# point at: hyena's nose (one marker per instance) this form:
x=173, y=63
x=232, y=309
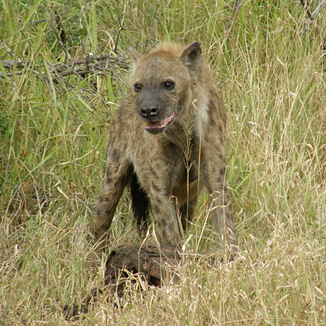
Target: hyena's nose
x=149, y=111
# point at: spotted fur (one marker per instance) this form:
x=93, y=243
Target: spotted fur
x=168, y=142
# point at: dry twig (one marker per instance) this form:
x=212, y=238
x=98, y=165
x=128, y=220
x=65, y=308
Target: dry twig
x=312, y=15
x=90, y=64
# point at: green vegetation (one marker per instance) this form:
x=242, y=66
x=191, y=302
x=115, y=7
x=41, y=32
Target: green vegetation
x=268, y=58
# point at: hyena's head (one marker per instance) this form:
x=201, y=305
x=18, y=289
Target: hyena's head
x=162, y=82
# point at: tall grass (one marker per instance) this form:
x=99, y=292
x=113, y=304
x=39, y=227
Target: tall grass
x=269, y=63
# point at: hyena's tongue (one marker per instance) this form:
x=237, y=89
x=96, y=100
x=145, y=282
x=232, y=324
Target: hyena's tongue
x=159, y=124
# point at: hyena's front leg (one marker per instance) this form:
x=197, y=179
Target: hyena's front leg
x=158, y=184
x=166, y=218
x=118, y=174
x=163, y=206
x=188, y=203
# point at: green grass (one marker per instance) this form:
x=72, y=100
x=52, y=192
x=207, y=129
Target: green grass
x=270, y=68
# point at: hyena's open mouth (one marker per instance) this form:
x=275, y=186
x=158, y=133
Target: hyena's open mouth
x=158, y=126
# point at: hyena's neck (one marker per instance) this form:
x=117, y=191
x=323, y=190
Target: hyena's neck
x=193, y=120
x=187, y=130
x=200, y=112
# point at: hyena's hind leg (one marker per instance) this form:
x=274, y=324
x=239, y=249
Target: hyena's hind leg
x=221, y=210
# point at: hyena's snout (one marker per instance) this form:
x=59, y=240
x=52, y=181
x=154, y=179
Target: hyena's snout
x=155, y=116
x=149, y=111
x=149, y=106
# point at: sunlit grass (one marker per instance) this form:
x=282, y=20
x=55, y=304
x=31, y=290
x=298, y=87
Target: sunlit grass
x=270, y=68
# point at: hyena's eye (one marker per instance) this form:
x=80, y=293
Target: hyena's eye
x=138, y=88
x=168, y=85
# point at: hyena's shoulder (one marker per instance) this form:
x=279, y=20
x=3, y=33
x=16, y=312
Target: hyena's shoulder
x=125, y=128
x=124, y=116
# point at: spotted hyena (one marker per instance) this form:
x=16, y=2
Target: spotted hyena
x=167, y=141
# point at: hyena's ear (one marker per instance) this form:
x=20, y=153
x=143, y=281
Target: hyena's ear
x=134, y=55
x=192, y=58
